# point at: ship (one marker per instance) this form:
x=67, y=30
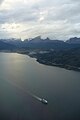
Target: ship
x=44, y=101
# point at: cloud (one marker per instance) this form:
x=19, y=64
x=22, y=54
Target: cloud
x=29, y=18
x=1, y=1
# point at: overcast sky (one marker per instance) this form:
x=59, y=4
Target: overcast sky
x=57, y=19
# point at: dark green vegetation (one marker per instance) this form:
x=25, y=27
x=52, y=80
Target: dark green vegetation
x=69, y=59
x=49, y=52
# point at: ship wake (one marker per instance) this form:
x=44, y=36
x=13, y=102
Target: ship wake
x=24, y=91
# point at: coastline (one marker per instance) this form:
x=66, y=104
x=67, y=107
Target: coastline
x=68, y=67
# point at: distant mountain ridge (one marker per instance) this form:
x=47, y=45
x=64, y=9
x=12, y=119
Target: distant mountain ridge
x=39, y=43
x=6, y=46
x=74, y=40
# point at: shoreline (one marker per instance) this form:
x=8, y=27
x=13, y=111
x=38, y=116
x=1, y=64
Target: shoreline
x=67, y=67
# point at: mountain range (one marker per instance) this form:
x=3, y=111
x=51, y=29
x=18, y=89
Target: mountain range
x=39, y=43
x=6, y=46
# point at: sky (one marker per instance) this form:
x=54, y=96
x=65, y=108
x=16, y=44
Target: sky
x=56, y=19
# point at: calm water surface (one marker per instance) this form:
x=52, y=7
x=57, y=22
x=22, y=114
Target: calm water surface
x=20, y=74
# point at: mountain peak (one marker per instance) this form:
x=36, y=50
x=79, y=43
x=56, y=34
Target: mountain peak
x=74, y=40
